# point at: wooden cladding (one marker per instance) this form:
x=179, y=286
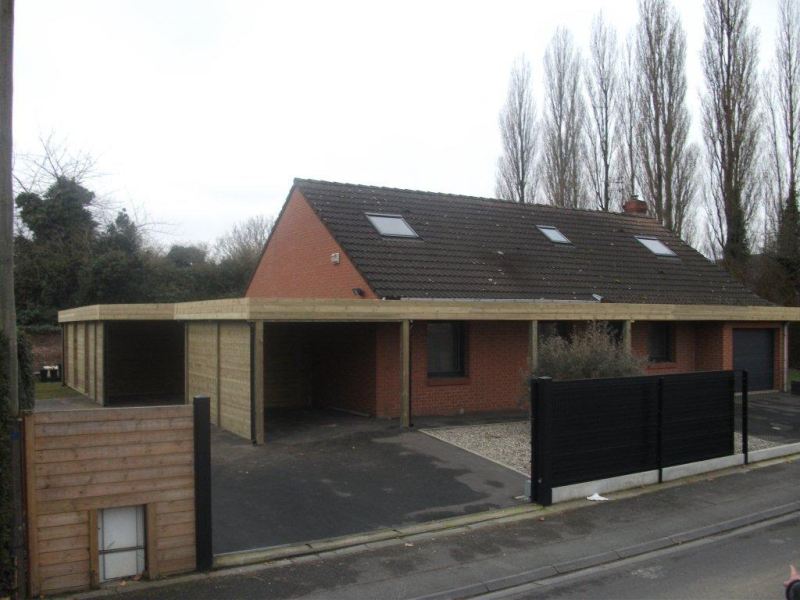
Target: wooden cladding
x=82, y=461
x=218, y=365
x=84, y=358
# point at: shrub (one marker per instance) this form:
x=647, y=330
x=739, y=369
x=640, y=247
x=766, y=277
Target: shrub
x=588, y=353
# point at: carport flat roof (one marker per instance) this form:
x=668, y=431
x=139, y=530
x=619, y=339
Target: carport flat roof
x=269, y=309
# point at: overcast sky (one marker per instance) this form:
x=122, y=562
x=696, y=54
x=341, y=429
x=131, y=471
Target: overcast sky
x=201, y=113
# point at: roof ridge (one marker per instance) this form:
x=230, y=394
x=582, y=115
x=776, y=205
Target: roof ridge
x=501, y=201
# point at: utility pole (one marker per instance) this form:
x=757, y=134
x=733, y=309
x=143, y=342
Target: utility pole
x=8, y=316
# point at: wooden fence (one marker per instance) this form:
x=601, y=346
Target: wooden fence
x=79, y=462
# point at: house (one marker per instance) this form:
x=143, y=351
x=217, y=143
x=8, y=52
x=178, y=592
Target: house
x=393, y=303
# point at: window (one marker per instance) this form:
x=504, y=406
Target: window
x=553, y=234
x=391, y=225
x=446, y=350
x=661, y=342
x=120, y=542
x=655, y=246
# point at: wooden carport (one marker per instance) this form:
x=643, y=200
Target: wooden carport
x=224, y=339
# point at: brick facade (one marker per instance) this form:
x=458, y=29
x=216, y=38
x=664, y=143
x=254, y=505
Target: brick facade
x=496, y=354
x=704, y=347
x=297, y=260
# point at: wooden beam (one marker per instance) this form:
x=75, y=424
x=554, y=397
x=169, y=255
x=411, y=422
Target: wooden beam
x=533, y=347
x=258, y=381
x=305, y=310
x=405, y=373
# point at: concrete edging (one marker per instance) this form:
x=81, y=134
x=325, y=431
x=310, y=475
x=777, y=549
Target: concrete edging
x=603, y=486
x=773, y=452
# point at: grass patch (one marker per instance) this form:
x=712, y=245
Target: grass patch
x=54, y=389
x=794, y=374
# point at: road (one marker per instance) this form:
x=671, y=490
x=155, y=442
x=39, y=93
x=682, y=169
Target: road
x=748, y=563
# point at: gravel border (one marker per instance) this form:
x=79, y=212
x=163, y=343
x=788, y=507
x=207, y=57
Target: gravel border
x=508, y=443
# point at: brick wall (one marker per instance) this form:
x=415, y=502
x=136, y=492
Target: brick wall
x=46, y=348
x=704, y=347
x=344, y=366
x=497, y=354
x=297, y=261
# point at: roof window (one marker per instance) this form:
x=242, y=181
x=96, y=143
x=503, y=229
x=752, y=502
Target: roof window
x=391, y=225
x=553, y=234
x=655, y=246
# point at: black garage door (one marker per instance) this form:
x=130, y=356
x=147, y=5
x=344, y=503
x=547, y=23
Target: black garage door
x=753, y=350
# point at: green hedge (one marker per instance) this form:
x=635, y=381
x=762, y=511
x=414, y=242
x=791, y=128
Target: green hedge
x=26, y=389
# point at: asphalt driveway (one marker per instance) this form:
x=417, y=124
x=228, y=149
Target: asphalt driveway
x=773, y=416
x=325, y=474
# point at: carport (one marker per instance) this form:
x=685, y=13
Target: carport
x=129, y=356
x=256, y=355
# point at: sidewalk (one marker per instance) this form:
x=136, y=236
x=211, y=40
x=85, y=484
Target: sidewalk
x=475, y=559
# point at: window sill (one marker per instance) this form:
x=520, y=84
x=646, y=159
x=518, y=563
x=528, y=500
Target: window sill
x=662, y=365
x=456, y=380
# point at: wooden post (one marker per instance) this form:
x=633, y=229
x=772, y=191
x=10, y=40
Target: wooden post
x=626, y=336
x=405, y=373
x=32, y=501
x=186, y=396
x=258, y=382
x=152, y=541
x=94, y=550
x=533, y=347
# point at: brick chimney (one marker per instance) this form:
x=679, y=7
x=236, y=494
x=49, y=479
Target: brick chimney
x=634, y=206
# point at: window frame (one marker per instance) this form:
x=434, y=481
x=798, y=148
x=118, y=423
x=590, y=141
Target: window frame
x=371, y=216
x=668, y=337
x=545, y=228
x=460, y=347
x=642, y=239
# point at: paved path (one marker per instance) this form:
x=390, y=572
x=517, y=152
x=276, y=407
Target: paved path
x=475, y=560
x=749, y=563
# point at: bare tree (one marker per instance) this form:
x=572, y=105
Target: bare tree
x=563, y=143
x=665, y=156
x=627, y=159
x=246, y=240
x=602, y=86
x=35, y=172
x=782, y=104
x=730, y=125
x=519, y=130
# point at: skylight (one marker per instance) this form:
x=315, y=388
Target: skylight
x=391, y=225
x=553, y=234
x=655, y=246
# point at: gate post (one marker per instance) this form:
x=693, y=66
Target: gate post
x=541, y=426
x=745, y=448
x=204, y=556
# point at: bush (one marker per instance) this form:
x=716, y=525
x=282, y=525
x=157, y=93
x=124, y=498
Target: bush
x=588, y=353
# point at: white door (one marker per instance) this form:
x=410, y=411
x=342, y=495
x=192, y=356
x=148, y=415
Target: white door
x=121, y=544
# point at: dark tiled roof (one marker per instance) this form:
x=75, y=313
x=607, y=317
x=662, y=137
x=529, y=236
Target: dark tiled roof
x=478, y=248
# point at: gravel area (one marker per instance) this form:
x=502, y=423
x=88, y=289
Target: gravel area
x=505, y=443
x=509, y=443
x=753, y=442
